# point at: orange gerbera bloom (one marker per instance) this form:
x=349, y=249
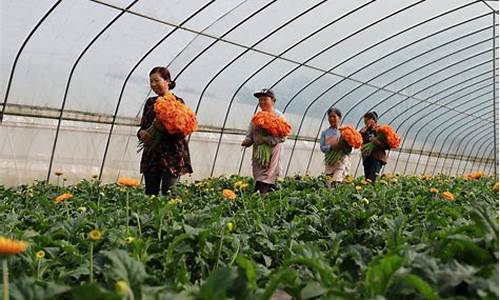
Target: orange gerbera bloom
x=62, y=197
x=274, y=124
x=495, y=187
x=175, y=116
x=390, y=136
x=351, y=136
x=475, y=175
x=228, y=194
x=8, y=246
x=125, y=181
x=448, y=196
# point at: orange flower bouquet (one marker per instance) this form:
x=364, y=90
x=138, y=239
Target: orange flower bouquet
x=175, y=117
x=387, y=136
x=268, y=123
x=349, y=138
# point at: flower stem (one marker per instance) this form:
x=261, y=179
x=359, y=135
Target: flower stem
x=127, y=211
x=219, y=251
x=38, y=270
x=5, y=279
x=91, y=265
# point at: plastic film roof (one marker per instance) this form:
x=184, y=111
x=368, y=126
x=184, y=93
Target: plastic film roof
x=74, y=78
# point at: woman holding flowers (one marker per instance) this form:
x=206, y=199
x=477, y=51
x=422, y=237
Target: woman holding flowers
x=166, y=121
x=337, y=144
x=267, y=131
x=376, y=139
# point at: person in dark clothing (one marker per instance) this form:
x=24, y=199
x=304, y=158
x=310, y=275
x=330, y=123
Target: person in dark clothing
x=163, y=163
x=373, y=162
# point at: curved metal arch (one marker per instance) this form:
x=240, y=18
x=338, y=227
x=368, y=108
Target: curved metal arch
x=202, y=31
x=245, y=52
x=484, y=135
x=469, y=129
x=441, y=132
x=425, y=107
x=378, y=103
x=331, y=46
x=117, y=107
x=226, y=116
x=366, y=66
x=467, y=145
x=444, y=143
x=423, y=66
x=441, y=91
x=68, y=82
x=407, y=132
x=388, y=97
x=450, y=146
x=490, y=165
x=449, y=149
x=482, y=156
x=253, y=14
x=437, y=127
x=25, y=42
x=427, y=137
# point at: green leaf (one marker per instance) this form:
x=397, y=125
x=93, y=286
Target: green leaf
x=379, y=274
x=421, y=286
x=92, y=291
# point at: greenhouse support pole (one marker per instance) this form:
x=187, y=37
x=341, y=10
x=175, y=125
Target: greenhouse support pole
x=495, y=170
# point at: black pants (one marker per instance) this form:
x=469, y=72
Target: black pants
x=155, y=178
x=372, y=168
x=263, y=187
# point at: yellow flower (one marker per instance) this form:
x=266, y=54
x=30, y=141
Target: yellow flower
x=448, y=196
x=354, y=204
x=58, y=173
x=125, y=181
x=40, y=254
x=63, y=197
x=65, y=179
x=228, y=194
x=230, y=226
x=495, y=187
x=381, y=181
x=348, y=179
x=95, y=235
x=94, y=176
x=394, y=180
x=8, y=246
x=174, y=201
x=82, y=209
x=358, y=188
x=129, y=240
x=434, y=190
x=365, y=201
x=122, y=287
x=240, y=185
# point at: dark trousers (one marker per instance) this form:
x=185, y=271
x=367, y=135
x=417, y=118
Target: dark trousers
x=372, y=168
x=156, y=178
x=263, y=187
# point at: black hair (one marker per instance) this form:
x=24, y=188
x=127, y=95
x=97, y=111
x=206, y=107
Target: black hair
x=371, y=115
x=165, y=74
x=334, y=110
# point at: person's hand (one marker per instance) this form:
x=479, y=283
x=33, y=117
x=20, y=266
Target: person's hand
x=145, y=137
x=259, y=139
x=246, y=143
x=331, y=140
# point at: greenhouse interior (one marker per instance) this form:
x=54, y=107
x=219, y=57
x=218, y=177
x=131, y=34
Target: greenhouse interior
x=313, y=149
